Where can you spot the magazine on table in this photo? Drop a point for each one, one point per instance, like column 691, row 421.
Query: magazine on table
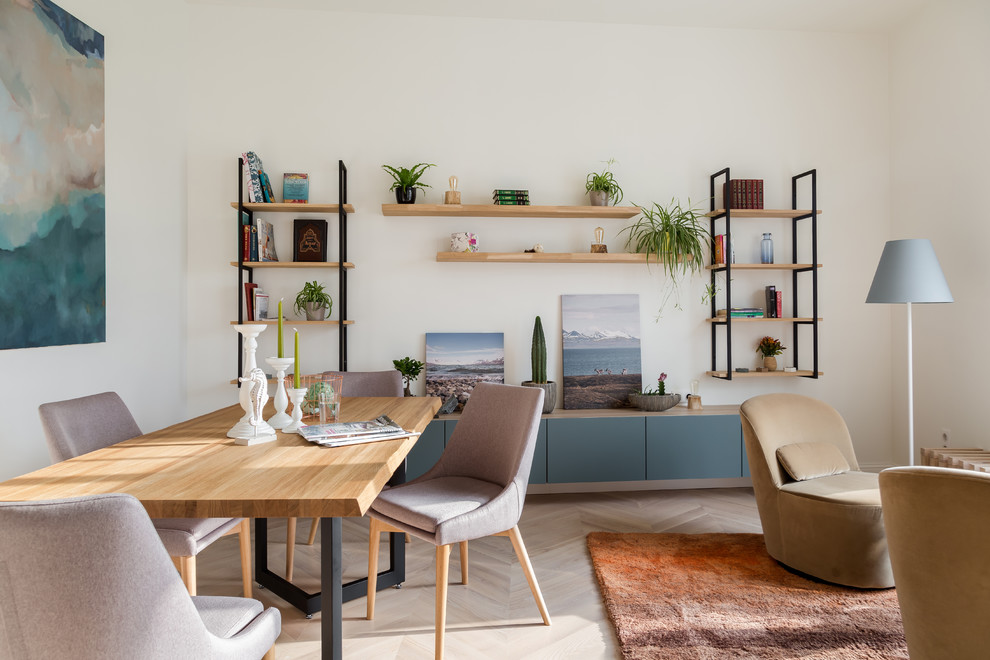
column 380, row 428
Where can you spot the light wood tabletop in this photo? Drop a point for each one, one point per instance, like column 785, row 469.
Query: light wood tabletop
column 192, row 470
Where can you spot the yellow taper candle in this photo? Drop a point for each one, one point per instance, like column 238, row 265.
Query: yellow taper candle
column 295, row 369
column 281, row 351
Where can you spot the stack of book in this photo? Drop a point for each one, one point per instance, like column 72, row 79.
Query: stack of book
column 722, row 250
column 775, row 303
column 510, row 197
column 255, row 303
column 742, row 313
column 259, row 186
column 743, row 194
column 259, row 240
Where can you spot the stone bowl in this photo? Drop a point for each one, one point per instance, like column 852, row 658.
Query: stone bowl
column 654, row 402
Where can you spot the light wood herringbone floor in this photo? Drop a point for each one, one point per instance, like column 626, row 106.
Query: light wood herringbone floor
column 494, row 616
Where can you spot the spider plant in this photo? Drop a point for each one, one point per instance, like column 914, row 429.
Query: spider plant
column 605, row 182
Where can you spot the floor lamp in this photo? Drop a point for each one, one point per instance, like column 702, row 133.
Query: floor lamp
column 909, row 273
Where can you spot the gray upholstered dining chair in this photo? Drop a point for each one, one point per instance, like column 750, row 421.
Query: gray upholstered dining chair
column 78, row 426
column 938, row 533
column 476, row 489
column 87, row 577
column 353, row 383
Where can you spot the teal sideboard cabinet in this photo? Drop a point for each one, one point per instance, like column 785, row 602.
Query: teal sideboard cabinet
column 627, row 445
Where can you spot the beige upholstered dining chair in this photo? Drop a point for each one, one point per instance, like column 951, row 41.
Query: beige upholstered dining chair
column 353, row 383
column 476, row 489
column 87, row 577
column 821, row 515
column 79, row 426
column 938, row 529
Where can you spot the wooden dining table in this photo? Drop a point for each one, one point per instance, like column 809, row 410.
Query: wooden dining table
column 193, row 470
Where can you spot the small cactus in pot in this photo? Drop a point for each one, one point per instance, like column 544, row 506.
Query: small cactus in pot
column 538, row 359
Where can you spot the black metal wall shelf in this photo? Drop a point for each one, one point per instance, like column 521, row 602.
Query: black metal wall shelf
column 342, row 208
column 795, row 214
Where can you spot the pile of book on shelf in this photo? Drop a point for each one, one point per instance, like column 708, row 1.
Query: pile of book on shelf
column 259, row 186
column 510, row 197
column 775, row 303
column 255, row 303
column 721, row 251
column 743, row 194
column 259, row 239
column 340, row 434
column 742, row 312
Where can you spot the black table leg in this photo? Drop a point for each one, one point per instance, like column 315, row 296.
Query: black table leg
column 331, row 589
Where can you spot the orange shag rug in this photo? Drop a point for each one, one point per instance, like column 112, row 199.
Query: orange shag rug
column 722, row 596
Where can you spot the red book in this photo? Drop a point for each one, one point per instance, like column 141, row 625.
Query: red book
column 780, row 304
column 249, row 288
column 719, row 248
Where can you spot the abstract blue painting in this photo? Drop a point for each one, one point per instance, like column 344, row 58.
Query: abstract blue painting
column 52, row 193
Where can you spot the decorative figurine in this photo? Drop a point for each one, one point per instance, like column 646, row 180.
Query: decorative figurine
column 463, row 241
column 258, row 393
column 599, row 245
column 452, row 196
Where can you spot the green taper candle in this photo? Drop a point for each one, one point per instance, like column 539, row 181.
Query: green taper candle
column 295, row 371
column 281, row 351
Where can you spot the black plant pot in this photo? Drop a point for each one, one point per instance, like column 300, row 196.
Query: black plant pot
column 405, row 195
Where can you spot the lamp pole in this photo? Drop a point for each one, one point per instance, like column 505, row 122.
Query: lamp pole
column 910, row 378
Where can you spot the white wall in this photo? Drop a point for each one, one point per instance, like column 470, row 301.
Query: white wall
column 940, row 92
column 537, row 105
column 146, row 225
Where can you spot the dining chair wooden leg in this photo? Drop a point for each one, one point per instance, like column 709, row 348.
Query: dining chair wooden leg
column 520, row 548
column 245, row 540
column 187, row 569
column 313, row 526
column 290, row 547
column 270, row 655
column 443, row 563
column 464, row 562
column 374, row 542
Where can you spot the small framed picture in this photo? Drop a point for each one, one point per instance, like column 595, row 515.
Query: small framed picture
column 309, row 240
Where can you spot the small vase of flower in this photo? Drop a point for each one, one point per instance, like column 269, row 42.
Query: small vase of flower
column 770, row 348
column 655, row 400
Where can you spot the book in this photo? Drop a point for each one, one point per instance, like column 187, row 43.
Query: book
column 295, row 188
column 719, row 248
column 266, row 184
column 252, row 176
column 509, row 191
column 253, row 256
column 780, row 305
column 260, row 305
column 266, row 241
column 771, row 301
column 506, row 202
column 249, row 288
column 309, row 239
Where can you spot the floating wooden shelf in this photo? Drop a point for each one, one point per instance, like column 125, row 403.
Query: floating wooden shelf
column 295, row 322
column 544, row 257
column 510, row 211
column 761, row 266
column 761, row 319
column 256, row 207
column 294, row 264
column 762, row 213
column 763, row 374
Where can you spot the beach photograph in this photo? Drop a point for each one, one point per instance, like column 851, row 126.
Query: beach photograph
column 602, row 363
column 457, row 361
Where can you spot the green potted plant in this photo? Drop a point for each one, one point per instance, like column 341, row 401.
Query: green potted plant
column 406, row 181
column 672, row 235
column 655, row 400
column 538, row 360
column 314, row 301
column 602, row 186
column 770, row 348
column 410, row 370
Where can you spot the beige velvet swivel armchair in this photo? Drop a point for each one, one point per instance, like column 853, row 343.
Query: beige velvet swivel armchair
column 938, row 526
column 821, row 515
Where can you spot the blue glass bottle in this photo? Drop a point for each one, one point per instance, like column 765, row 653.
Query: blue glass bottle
column 766, row 249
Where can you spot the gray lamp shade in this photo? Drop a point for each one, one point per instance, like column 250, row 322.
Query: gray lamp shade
column 909, row 273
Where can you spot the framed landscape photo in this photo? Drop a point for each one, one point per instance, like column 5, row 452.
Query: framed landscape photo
column 457, row 361
column 602, row 363
column 309, row 240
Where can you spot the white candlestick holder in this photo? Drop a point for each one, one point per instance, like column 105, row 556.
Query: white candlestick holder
column 280, row 419
column 250, row 332
column 296, row 395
